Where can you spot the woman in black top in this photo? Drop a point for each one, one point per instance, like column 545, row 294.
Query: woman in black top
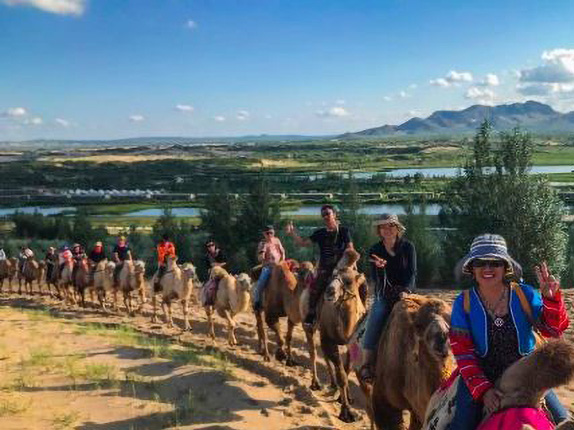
column 213, row 255
column 393, row 270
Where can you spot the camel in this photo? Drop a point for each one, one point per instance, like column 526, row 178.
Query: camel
column 103, row 280
column 82, row 280
column 131, row 278
column 65, row 282
column 413, row 358
column 521, row 388
column 31, row 271
column 8, row 270
column 341, row 311
column 176, row 284
column 233, row 297
column 52, row 278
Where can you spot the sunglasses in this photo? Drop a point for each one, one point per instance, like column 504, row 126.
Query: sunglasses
column 488, row 263
column 269, row 232
column 326, row 214
column 210, row 244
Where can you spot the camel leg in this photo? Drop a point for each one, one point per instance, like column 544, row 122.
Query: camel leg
column 415, row 424
column 154, row 305
column 143, row 299
column 102, row 298
column 128, row 302
column 288, row 338
column 273, row 324
column 347, row 368
column 230, row 328
column 309, row 334
column 263, row 347
column 210, row 324
column 185, row 309
column 385, row 415
column 331, row 352
column 166, row 306
column 115, row 299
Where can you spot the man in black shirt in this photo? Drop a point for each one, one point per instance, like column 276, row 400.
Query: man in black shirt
column 332, row 240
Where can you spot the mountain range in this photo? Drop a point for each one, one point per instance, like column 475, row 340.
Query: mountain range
column 530, row 116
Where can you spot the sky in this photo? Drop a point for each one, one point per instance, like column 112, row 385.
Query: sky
column 108, row 69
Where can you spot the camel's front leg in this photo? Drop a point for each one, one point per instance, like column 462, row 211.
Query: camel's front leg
column 154, row 305
column 230, row 328
column 273, row 323
column 288, row 338
column 331, row 352
column 262, row 334
column 166, row 306
column 310, row 335
column 143, row 299
column 210, row 324
column 185, row 309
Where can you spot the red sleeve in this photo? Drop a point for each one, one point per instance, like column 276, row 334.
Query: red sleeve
column 468, row 365
column 554, row 319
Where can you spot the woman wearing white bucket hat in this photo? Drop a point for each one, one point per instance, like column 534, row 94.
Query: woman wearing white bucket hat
column 393, row 271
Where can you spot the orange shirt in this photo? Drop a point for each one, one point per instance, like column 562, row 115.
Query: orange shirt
column 165, row 249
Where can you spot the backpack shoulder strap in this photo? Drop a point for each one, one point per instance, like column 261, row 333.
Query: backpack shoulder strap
column 523, row 300
column 466, row 298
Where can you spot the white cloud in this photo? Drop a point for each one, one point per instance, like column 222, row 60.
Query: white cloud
column 62, row 7
column 243, row 115
column 544, row 89
column 33, row 121
column 62, row 122
column 490, row 80
column 452, row 78
column 340, row 102
column 403, row 94
column 191, row 24
column 480, row 95
column 334, row 112
column 558, row 67
column 16, row 112
column 185, row 108
column 219, row 118
column 413, row 86
column 137, row 118
column 440, row 82
column 387, row 98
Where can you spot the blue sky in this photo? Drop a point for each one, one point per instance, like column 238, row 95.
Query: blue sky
column 124, row 68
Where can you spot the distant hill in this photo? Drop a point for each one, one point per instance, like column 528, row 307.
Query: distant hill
column 532, row 116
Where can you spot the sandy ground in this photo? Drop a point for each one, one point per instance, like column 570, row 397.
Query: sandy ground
column 66, row 368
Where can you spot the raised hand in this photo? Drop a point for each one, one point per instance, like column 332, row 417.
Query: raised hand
column 378, row 261
column 549, row 285
column 290, row 228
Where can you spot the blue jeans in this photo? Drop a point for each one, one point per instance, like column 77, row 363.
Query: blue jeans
column 468, row 412
column 378, row 315
column 261, row 283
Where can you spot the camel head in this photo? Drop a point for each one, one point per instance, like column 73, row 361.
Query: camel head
column 432, row 324
column 243, row 282
column 139, row 266
column 170, row 262
column 218, row 272
column 188, row 270
column 348, row 260
column 110, row 267
column 525, row 382
column 345, row 284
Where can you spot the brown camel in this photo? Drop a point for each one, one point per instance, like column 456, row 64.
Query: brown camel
column 233, row 297
column 8, row 270
column 340, row 313
column 131, row 278
column 31, row 271
column 413, row 358
column 286, row 295
column 66, row 282
column 176, row 284
column 82, row 280
column 52, row 277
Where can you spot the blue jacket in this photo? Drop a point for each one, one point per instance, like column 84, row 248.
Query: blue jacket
column 475, row 321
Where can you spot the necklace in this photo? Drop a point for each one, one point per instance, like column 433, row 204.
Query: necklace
column 498, row 321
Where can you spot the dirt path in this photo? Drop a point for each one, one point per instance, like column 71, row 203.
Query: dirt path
column 82, row 369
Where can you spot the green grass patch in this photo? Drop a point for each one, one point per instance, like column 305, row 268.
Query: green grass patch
column 65, row 421
column 13, row 407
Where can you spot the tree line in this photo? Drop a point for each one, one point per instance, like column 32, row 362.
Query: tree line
column 493, row 194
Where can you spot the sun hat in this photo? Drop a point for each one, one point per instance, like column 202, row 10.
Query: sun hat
column 489, row 246
column 268, row 228
column 385, row 219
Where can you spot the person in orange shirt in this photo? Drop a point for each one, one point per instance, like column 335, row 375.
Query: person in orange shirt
column 164, row 249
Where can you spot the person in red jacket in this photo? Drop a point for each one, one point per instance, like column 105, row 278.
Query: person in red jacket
column 492, row 326
column 165, row 249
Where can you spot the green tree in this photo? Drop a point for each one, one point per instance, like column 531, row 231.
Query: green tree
column 360, row 224
column 426, row 244
column 497, row 195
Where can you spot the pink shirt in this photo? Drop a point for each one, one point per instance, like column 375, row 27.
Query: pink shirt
column 272, row 251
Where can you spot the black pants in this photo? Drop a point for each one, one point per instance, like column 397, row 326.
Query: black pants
column 324, row 275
